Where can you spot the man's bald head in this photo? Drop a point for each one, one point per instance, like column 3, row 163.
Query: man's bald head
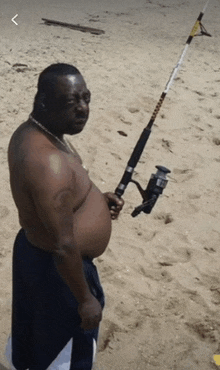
column 47, row 84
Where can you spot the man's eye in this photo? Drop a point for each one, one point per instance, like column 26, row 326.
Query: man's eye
column 71, row 102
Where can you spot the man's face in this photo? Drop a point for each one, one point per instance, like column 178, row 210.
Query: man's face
column 72, row 104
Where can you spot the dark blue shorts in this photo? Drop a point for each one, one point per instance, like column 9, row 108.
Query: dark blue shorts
column 45, row 319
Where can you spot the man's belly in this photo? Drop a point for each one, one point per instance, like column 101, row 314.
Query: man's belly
column 91, row 227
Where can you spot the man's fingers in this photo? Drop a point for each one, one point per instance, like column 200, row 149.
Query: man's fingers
column 116, row 207
column 113, row 209
column 114, row 216
column 115, row 199
column 90, row 313
column 120, row 202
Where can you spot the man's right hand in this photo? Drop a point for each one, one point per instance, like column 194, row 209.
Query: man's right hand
column 90, row 312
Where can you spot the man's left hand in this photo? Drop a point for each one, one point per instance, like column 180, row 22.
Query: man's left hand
column 115, row 204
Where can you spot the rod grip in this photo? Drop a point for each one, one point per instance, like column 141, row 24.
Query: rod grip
column 135, row 156
column 139, row 147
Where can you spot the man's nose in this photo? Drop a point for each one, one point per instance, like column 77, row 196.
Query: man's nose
column 82, row 106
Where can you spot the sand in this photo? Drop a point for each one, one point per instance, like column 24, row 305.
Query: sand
column 160, row 272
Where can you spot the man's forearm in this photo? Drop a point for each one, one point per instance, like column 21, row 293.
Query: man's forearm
column 69, row 264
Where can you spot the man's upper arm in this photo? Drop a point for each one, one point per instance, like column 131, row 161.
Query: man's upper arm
column 52, row 187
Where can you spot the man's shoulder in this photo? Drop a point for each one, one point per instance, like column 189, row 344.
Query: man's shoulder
column 21, row 138
column 33, row 144
column 35, row 154
column 17, row 135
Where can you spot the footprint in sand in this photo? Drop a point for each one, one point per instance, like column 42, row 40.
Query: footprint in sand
column 166, row 144
column 133, row 110
column 170, row 256
column 175, row 305
column 183, row 174
column 165, row 217
column 212, row 282
column 156, row 274
column 109, row 328
column 136, row 311
column 4, row 211
column 216, row 141
column 193, row 196
column 215, row 295
column 178, row 255
column 116, row 156
column 204, row 328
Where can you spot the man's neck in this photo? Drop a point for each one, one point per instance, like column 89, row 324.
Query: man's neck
column 49, row 126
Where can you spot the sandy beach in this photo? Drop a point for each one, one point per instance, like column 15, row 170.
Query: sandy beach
column 160, row 272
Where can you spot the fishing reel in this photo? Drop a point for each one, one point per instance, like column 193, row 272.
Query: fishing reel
column 155, row 187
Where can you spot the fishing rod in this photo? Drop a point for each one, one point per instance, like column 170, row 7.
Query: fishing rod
column 158, row 181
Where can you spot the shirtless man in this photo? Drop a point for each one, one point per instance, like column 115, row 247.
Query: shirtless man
column 66, row 221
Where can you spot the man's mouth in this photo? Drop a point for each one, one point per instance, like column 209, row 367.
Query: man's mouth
column 80, row 120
